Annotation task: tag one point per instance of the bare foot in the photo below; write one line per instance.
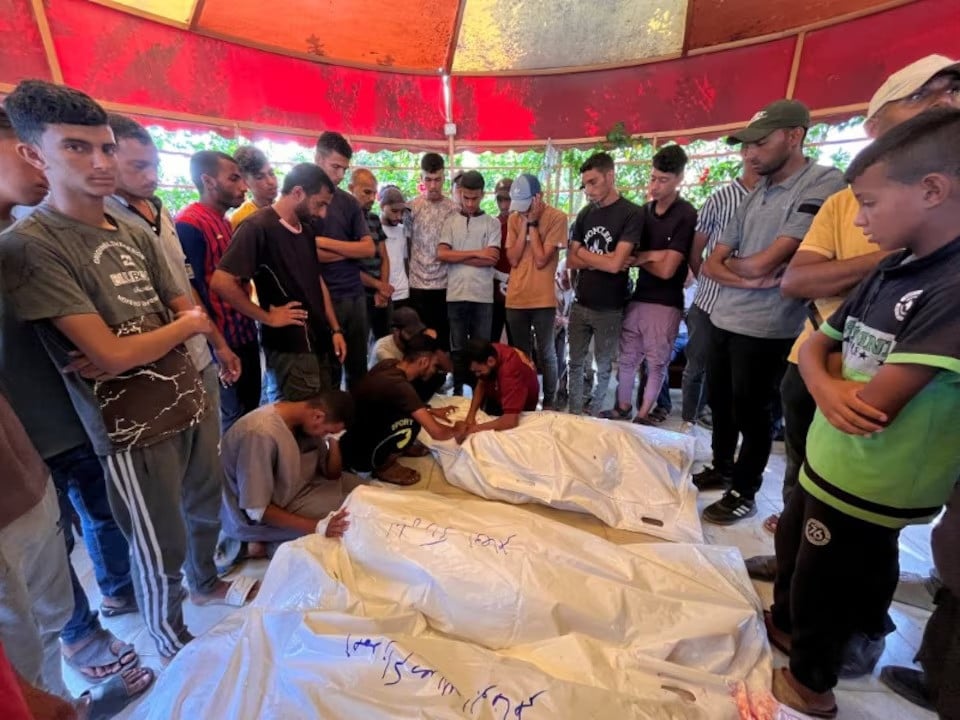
(220, 593)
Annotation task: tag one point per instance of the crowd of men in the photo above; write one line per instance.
(174, 382)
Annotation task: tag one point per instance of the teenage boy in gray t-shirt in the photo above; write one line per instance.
(97, 291)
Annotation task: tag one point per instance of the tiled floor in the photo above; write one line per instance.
(863, 699)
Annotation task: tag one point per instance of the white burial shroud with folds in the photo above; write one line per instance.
(434, 607)
(630, 477)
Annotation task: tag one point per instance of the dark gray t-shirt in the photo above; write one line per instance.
(53, 267)
(786, 209)
(34, 386)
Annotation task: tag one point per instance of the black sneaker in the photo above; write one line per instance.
(730, 509)
(909, 684)
(712, 479)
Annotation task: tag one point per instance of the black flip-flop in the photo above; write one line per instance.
(128, 608)
(109, 698)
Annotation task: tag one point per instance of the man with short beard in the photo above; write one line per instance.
(205, 235)
(754, 325)
(374, 271)
(275, 247)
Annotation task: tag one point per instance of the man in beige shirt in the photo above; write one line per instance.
(535, 233)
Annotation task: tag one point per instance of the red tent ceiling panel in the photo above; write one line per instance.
(660, 97)
(22, 56)
(714, 22)
(126, 59)
(844, 64)
(170, 72)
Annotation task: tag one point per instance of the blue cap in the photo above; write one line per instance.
(522, 192)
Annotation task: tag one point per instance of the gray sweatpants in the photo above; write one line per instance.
(36, 599)
(166, 500)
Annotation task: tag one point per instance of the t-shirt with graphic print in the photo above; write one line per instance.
(428, 218)
(55, 267)
(906, 312)
(600, 229)
(384, 426)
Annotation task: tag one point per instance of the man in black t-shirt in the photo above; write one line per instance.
(604, 235)
(653, 315)
(275, 248)
(389, 414)
(343, 240)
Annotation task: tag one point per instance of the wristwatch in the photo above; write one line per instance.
(336, 331)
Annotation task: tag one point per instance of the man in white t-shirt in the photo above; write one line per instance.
(393, 212)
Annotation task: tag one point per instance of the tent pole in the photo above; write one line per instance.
(451, 151)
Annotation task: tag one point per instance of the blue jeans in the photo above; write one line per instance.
(80, 484)
(468, 321)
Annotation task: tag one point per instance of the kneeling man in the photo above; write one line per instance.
(390, 414)
(282, 474)
(507, 385)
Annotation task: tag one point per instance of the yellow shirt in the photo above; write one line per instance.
(834, 236)
(248, 208)
(528, 287)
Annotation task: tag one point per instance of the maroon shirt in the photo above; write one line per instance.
(515, 387)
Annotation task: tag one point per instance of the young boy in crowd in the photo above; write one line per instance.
(892, 399)
(98, 288)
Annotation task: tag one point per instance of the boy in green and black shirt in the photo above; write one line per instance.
(883, 449)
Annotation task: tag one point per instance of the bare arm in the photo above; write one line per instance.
(716, 269)
(352, 249)
(115, 355)
(573, 257)
(700, 241)
(276, 516)
(230, 288)
(479, 392)
(333, 467)
(811, 275)
(326, 257)
(611, 262)
(661, 263)
(767, 260)
(542, 253)
(516, 246)
(434, 429)
(504, 422)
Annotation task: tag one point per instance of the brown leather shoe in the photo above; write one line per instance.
(792, 693)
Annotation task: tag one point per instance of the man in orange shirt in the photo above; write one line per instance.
(535, 233)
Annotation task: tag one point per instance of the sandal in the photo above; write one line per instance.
(109, 698)
(129, 607)
(640, 420)
(398, 474)
(237, 595)
(658, 415)
(616, 413)
(777, 637)
(788, 690)
(103, 650)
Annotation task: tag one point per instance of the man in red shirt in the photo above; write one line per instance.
(506, 386)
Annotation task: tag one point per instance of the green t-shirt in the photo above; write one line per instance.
(906, 312)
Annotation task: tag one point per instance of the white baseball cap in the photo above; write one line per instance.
(909, 79)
